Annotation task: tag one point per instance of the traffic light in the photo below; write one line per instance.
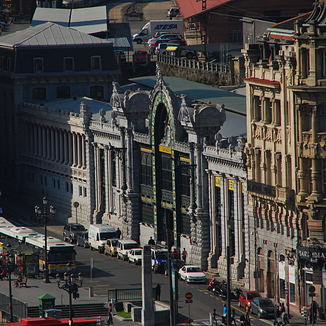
(304, 312)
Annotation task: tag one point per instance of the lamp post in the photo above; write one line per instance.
(44, 217)
(70, 286)
(10, 266)
(76, 205)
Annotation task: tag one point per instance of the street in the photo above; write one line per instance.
(111, 273)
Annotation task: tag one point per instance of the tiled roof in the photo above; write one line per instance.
(48, 34)
(189, 8)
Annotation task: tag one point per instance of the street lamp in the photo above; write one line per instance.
(70, 286)
(10, 266)
(44, 217)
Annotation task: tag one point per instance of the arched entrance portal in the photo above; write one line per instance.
(164, 171)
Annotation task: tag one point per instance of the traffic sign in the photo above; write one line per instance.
(188, 301)
(188, 295)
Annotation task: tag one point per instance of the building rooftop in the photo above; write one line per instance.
(86, 20)
(49, 34)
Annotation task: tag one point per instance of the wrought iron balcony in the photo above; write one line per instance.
(261, 188)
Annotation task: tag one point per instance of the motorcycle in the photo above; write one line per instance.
(223, 293)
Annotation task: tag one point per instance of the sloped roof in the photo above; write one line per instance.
(48, 34)
(58, 16)
(189, 8)
(86, 20)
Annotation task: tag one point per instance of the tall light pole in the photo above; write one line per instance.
(70, 286)
(44, 217)
(10, 266)
(76, 205)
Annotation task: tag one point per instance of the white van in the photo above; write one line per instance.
(124, 247)
(98, 234)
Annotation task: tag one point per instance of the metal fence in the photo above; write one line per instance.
(127, 294)
(19, 308)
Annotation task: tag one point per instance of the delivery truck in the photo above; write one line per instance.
(98, 234)
(153, 26)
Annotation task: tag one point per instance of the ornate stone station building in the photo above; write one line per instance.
(154, 165)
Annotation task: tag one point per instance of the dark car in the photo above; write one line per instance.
(141, 56)
(71, 230)
(82, 240)
(263, 307)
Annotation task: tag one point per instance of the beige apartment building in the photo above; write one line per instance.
(286, 129)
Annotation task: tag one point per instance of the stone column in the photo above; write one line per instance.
(74, 149)
(61, 146)
(48, 141)
(44, 142)
(147, 313)
(57, 145)
(52, 145)
(70, 148)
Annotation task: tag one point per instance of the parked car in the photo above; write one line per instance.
(140, 56)
(71, 230)
(263, 307)
(120, 54)
(82, 240)
(192, 273)
(135, 256)
(153, 42)
(111, 247)
(178, 52)
(246, 297)
(124, 246)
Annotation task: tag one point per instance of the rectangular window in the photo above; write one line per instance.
(53, 182)
(147, 214)
(2, 64)
(69, 64)
(85, 192)
(235, 37)
(292, 292)
(38, 64)
(96, 63)
(72, 188)
(46, 181)
(39, 93)
(41, 179)
(114, 169)
(80, 191)
(58, 183)
(146, 168)
(282, 288)
(9, 64)
(277, 112)
(96, 92)
(67, 187)
(185, 178)
(166, 172)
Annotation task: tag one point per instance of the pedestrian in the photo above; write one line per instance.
(313, 312)
(175, 254)
(225, 314)
(184, 255)
(151, 241)
(110, 319)
(214, 317)
(118, 233)
(233, 317)
(158, 292)
(75, 293)
(278, 316)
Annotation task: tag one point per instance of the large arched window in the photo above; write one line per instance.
(39, 93)
(96, 92)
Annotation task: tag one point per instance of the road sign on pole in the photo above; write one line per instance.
(188, 295)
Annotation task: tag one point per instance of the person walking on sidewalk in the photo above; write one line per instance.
(110, 319)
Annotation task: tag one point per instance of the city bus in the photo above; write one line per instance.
(50, 321)
(28, 247)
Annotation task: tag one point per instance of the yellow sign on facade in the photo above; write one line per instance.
(217, 181)
(231, 184)
(165, 149)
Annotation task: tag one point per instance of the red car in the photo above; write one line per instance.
(141, 56)
(246, 297)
